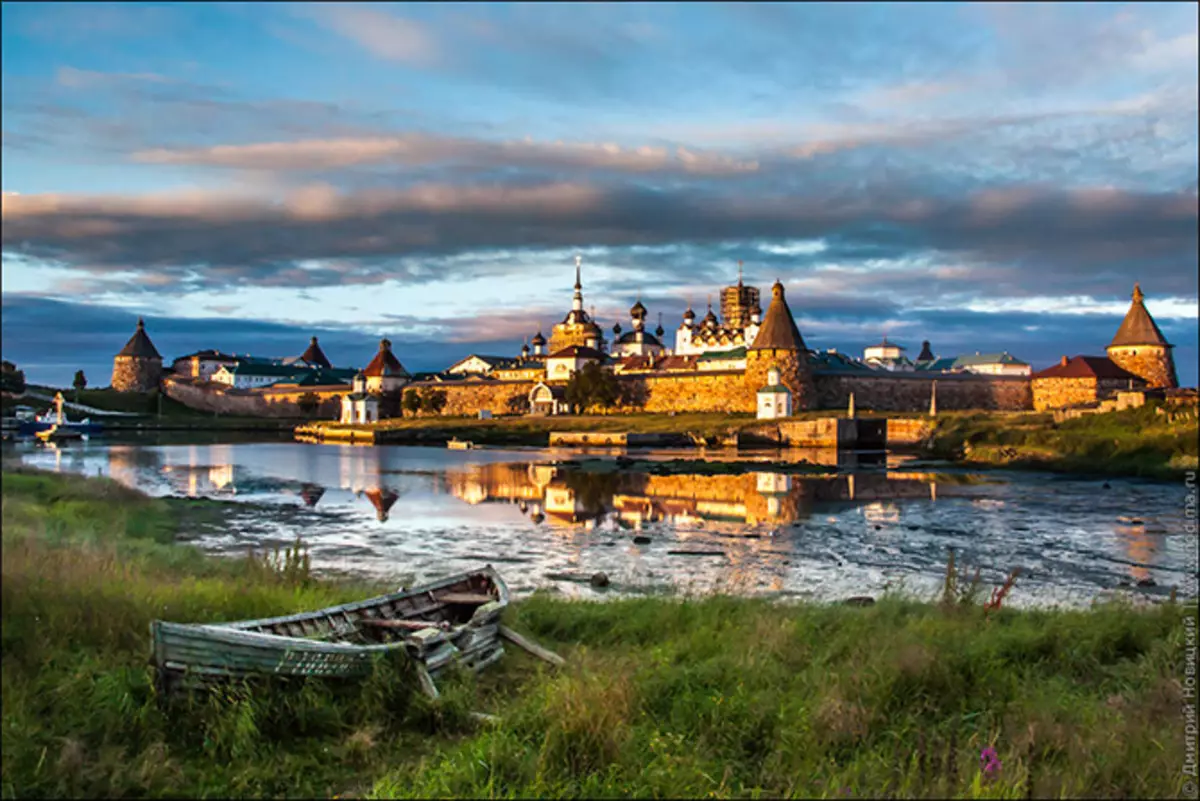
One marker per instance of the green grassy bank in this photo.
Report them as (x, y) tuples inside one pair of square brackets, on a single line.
[(1135, 442), (689, 697)]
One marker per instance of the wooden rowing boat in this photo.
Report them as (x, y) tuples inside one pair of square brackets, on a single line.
[(453, 620)]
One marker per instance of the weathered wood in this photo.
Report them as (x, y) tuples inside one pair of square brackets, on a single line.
[(426, 682), (307, 644), (531, 647), (465, 598), (409, 625)]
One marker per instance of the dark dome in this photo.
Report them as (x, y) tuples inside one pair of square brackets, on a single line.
[(539, 339), (659, 331), (616, 328), (638, 310)]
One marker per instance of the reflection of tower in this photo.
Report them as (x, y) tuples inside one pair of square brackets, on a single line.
[(122, 465), (773, 486), (1140, 547), (382, 499), (311, 493)]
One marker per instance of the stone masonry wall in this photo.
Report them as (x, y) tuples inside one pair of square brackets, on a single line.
[(1059, 393), (910, 393), (135, 374), (467, 399), (715, 391), (1154, 364), (243, 403)]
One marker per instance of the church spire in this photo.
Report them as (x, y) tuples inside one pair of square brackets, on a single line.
[(577, 302)]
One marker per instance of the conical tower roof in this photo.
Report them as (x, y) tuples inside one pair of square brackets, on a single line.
[(926, 352), (139, 345), (385, 363), (778, 330), (314, 355), (1138, 327)]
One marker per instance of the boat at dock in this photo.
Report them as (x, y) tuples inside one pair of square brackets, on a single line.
[(454, 620), (54, 426)]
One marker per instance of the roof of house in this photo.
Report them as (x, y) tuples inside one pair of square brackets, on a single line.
[(676, 363), (209, 354), (987, 358), (325, 377), (1138, 327), (578, 352), (315, 356), (778, 330), (941, 365), (775, 388), (385, 363), (491, 361), (139, 345), (886, 344), (835, 362), (1085, 367), (268, 370), (721, 355), (635, 363)]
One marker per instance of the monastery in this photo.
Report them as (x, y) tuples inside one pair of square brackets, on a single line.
[(747, 360)]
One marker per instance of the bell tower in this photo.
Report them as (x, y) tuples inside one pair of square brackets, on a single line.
[(778, 344)]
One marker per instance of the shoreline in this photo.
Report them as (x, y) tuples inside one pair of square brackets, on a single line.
[(660, 696)]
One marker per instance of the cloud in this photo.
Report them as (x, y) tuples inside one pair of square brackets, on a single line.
[(383, 34), (418, 149)]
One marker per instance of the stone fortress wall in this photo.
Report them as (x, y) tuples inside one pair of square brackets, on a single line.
[(136, 374)]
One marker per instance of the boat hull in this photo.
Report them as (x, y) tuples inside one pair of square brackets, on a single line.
[(436, 625)]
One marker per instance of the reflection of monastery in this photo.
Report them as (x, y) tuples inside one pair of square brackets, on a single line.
[(545, 492)]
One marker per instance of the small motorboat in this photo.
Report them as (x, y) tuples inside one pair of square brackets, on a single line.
[(453, 620), (54, 426), (460, 445)]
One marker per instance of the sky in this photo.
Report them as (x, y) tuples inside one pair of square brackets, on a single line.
[(987, 177)]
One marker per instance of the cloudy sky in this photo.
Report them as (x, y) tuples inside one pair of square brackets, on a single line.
[(988, 177)]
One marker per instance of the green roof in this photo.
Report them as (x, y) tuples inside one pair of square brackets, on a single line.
[(776, 388), (987, 358), (721, 355)]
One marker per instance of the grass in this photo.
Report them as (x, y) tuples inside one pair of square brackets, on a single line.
[(686, 697), (1137, 442)]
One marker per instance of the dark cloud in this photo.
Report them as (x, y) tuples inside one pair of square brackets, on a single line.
[(1026, 236)]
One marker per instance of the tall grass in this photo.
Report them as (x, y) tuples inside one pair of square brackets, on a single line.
[(698, 696), (1136, 442)]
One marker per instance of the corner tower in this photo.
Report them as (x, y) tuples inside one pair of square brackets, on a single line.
[(1140, 347), (138, 367), (779, 344)]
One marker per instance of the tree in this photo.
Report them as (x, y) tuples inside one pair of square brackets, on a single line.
[(592, 386), (11, 379), (80, 383), (308, 403), (390, 404), (517, 404), (412, 402), (433, 401)]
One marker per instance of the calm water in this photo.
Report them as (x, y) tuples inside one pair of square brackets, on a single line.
[(408, 513)]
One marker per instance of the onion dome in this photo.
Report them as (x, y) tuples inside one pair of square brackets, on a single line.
[(539, 340), (637, 311), (689, 316), (659, 331), (525, 349), (710, 319)]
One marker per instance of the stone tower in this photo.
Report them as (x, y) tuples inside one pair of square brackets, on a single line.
[(1141, 348), (138, 367), (779, 344)]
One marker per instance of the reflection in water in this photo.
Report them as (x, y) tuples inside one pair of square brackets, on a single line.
[(854, 526)]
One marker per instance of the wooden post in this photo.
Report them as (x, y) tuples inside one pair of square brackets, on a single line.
[(531, 647), (426, 682)]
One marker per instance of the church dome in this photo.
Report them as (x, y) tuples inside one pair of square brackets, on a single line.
[(638, 310), (616, 329), (539, 340)]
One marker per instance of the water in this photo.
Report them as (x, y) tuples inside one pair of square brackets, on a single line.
[(552, 518)]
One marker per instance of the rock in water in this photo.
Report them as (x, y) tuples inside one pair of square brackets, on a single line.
[(600, 580)]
